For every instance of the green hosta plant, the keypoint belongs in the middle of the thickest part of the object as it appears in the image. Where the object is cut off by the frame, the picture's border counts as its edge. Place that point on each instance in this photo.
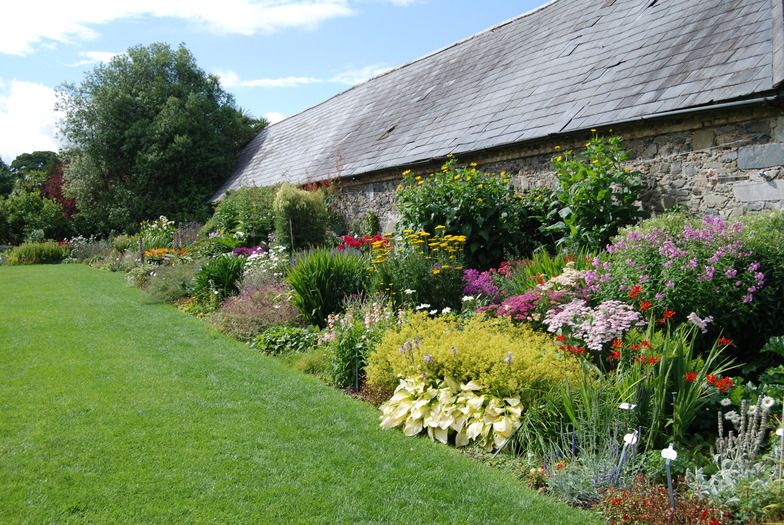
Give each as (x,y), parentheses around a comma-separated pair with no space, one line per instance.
(444,408)
(219,277)
(595,195)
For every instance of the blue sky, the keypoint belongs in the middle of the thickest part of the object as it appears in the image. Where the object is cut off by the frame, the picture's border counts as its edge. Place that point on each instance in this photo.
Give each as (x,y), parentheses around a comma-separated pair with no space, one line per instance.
(277,57)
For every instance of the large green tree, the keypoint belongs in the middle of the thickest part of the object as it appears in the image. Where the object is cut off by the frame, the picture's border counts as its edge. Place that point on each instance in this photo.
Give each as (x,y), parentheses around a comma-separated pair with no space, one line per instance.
(148,134)
(6,179)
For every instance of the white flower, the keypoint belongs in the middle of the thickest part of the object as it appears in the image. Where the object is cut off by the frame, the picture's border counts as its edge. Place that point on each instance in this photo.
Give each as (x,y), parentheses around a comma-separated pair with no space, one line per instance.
(409,291)
(780,432)
(726,402)
(446,310)
(423,306)
(752,409)
(433,312)
(731,415)
(669,453)
(630,439)
(768,402)
(627,406)
(467,298)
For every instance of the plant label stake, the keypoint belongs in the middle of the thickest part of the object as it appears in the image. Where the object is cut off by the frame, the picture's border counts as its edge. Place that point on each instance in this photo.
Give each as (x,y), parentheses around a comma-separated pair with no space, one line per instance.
(628,439)
(669,454)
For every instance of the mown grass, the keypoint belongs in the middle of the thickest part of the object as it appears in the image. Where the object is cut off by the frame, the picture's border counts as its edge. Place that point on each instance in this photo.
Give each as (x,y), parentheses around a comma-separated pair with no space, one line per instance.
(114,409)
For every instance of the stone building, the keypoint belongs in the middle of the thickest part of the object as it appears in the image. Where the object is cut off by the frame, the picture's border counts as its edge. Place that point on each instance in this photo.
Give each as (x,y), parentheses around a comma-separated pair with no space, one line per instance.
(693,87)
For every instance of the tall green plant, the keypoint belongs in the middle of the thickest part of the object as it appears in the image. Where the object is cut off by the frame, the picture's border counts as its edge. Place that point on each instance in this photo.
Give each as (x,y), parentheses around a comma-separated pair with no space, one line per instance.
(219,278)
(485,208)
(322,278)
(300,217)
(595,195)
(246,214)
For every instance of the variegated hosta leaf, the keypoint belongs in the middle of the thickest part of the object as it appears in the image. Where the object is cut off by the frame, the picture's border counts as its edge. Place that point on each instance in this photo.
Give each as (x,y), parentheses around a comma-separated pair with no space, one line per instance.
(503,427)
(471,385)
(476,403)
(439,434)
(413,427)
(475,429)
(452,384)
(461,439)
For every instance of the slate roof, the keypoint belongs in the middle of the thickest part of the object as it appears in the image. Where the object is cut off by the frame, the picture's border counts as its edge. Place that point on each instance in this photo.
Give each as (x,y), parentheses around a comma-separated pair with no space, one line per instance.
(568,65)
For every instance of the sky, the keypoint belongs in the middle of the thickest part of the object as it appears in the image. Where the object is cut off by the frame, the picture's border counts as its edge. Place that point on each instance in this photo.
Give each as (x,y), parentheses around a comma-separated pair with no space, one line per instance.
(276,57)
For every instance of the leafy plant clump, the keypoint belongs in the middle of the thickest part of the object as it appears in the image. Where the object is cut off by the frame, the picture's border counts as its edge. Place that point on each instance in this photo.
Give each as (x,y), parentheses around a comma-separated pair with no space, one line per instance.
(322,278)
(37,253)
(246,214)
(247,315)
(282,339)
(300,217)
(508,360)
(485,208)
(219,277)
(595,195)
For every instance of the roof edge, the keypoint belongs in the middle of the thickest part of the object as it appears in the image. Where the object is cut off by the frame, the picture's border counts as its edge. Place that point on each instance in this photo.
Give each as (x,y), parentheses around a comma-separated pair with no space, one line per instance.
(777,17)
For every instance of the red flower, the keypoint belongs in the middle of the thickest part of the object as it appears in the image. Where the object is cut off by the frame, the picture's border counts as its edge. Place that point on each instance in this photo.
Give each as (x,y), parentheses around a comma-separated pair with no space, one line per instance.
(615,355)
(645,344)
(690,377)
(645,305)
(635,291)
(725,342)
(617,343)
(561,338)
(653,360)
(668,313)
(569,258)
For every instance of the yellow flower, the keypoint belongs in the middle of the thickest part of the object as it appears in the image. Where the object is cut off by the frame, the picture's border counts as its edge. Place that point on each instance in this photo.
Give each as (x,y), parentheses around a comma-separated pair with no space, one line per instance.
(558,147)
(468,178)
(588,144)
(480,199)
(457,176)
(424,234)
(593,130)
(406,172)
(503,173)
(450,156)
(420,182)
(559,158)
(595,161)
(436,272)
(408,231)
(399,186)
(440,227)
(473,164)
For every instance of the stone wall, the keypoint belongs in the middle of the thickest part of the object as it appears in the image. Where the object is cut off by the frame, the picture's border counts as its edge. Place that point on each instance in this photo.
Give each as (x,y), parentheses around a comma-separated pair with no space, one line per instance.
(712,163)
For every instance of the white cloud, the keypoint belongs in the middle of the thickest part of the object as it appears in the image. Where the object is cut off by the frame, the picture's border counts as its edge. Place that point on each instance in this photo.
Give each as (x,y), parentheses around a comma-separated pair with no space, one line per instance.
(27,119)
(350,77)
(93,57)
(273,117)
(33,23)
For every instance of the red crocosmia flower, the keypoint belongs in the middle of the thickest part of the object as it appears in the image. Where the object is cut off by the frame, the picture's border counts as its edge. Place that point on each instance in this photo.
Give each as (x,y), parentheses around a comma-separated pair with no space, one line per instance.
(615,355)
(617,343)
(645,344)
(724,384)
(635,291)
(668,314)
(570,258)
(691,377)
(725,342)
(634,347)
(653,360)
(645,305)
(561,338)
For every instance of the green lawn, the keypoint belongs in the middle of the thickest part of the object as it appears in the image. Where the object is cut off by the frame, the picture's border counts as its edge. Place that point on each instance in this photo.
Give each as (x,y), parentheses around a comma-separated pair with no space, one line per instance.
(114,409)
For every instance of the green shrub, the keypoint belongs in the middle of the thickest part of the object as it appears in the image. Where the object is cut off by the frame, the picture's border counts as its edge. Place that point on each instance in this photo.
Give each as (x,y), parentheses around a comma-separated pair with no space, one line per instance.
(277,340)
(420,269)
(322,278)
(87,248)
(595,196)
(246,213)
(37,253)
(158,233)
(300,217)
(27,215)
(485,208)
(219,277)
(508,360)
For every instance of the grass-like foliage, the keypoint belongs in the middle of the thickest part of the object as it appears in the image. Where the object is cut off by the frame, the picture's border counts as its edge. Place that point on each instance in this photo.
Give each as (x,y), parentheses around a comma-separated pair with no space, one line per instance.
(322,278)
(219,277)
(116,410)
(37,253)
(507,360)
(170,282)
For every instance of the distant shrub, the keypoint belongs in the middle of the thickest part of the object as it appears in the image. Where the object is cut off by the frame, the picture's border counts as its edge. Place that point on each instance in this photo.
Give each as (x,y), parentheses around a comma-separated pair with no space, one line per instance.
(220,277)
(247,315)
(158,233)
(322,278)
(507,360)
(300,217)
(37,253)
(246,213)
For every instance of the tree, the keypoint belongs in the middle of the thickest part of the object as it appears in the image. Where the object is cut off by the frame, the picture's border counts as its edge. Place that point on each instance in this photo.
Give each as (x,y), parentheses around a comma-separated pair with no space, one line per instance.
(6,179)
(32,170)
(149,134)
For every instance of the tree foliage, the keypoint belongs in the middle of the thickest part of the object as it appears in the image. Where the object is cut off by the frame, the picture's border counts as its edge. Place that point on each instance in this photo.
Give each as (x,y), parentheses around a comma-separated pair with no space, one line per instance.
(149,134)
(6,179)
